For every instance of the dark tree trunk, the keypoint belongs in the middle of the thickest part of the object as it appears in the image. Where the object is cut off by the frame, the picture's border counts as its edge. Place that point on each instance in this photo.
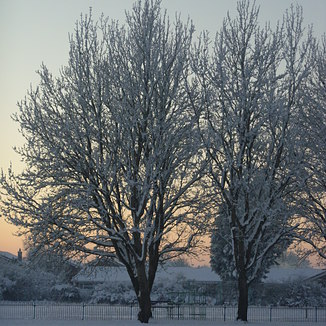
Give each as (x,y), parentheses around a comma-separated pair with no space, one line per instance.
(144,295)
(243,297)
(145,307)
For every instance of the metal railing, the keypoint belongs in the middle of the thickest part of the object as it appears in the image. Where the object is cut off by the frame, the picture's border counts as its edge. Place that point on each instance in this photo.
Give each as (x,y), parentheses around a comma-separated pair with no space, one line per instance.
(66,311)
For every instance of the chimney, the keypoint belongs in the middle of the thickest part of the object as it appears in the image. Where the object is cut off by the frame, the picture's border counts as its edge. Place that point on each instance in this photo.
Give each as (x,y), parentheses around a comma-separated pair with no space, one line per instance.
(20,255)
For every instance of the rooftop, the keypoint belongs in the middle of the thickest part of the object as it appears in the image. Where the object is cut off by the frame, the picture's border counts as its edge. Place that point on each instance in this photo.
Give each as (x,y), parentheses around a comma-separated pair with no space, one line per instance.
(200,274)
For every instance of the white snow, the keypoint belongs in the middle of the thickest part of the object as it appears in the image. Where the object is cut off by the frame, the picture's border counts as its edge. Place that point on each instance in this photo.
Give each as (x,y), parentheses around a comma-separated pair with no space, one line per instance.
(15,322)
(283,275)
(8,255)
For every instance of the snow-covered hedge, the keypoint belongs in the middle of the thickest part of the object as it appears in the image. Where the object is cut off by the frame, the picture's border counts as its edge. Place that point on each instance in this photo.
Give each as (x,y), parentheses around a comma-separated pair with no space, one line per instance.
(20,282)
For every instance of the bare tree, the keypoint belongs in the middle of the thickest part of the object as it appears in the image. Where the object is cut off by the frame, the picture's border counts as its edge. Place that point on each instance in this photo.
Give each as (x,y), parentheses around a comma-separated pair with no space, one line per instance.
(111,151)
(313,227)
(246,97)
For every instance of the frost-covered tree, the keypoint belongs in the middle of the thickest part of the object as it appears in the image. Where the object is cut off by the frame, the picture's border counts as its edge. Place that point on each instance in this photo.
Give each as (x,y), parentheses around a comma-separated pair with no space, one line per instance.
(111,153)
(246,97)
(313,227)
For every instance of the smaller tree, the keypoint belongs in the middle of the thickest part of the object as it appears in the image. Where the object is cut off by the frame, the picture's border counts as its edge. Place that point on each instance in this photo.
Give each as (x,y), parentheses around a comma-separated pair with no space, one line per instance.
(47,260)
(24,283)
(179,262)
(222,260)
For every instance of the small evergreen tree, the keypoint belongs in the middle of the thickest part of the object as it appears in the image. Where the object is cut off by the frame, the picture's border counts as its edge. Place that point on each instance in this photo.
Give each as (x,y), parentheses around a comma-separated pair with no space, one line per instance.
(222,258)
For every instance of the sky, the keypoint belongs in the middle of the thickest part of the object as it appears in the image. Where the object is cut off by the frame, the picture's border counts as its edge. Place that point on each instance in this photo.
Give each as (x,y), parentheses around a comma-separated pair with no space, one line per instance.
(33,32)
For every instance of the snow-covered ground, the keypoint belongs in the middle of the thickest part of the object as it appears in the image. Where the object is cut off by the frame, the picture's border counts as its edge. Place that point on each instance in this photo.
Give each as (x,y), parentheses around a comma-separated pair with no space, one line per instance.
(38,314)
(13,322)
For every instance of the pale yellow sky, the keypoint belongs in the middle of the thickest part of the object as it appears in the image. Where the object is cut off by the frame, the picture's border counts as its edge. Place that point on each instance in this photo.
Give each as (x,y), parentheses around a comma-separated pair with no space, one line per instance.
(9,242)
(36,31)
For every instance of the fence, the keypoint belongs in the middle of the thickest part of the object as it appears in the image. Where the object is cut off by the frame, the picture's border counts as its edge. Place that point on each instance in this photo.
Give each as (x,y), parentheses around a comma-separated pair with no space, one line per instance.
(31,310)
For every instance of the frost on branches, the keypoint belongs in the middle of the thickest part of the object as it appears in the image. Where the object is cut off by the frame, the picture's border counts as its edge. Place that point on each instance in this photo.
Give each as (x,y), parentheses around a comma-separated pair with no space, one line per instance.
(313,227)
(111,152)
(248,95)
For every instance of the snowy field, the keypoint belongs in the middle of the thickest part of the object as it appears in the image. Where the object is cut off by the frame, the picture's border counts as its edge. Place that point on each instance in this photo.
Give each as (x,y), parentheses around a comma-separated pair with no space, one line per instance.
(13,322)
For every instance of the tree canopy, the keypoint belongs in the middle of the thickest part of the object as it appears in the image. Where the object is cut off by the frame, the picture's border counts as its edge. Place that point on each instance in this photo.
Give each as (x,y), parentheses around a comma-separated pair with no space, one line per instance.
(112,158)
(249,90)
(146,134)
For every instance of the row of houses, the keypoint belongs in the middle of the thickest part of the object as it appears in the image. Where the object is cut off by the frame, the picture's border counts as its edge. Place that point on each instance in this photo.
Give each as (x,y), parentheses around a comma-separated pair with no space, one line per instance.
(203,286)
(89,277)
(199,280)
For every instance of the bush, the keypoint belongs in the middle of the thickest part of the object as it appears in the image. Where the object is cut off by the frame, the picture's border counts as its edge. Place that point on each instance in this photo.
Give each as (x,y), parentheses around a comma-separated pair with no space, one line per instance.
(65,293)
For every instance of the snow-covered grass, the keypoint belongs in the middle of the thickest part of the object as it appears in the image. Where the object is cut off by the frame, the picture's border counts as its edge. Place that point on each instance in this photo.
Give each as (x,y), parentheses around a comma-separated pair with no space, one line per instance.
(15,322)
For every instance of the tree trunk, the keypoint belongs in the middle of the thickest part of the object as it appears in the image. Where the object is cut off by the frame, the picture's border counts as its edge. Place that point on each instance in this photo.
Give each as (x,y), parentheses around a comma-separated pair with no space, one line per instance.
(144,295)
(145,306)
(243,297)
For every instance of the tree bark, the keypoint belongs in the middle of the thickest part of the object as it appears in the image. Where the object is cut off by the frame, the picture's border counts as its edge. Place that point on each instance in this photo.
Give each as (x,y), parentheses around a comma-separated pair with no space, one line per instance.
(145,306)
(144,295)
(243,297)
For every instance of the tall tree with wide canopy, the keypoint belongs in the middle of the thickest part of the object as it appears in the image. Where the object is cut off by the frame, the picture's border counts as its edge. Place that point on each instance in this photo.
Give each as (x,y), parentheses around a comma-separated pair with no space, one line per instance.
(112,159)
(246,97)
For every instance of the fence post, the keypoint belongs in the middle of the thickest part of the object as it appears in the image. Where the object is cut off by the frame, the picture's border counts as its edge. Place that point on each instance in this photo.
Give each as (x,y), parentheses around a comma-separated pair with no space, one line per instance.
(224,313)
(34,310)
(270,313)
(316,314)
(83,311)
(131,312)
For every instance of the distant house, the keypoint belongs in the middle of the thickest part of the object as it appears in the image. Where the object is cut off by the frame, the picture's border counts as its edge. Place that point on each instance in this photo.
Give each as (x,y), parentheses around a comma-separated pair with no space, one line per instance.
(319,278)
(88,277)
(201,284)
(279,275)
(7,257)
(91,276)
